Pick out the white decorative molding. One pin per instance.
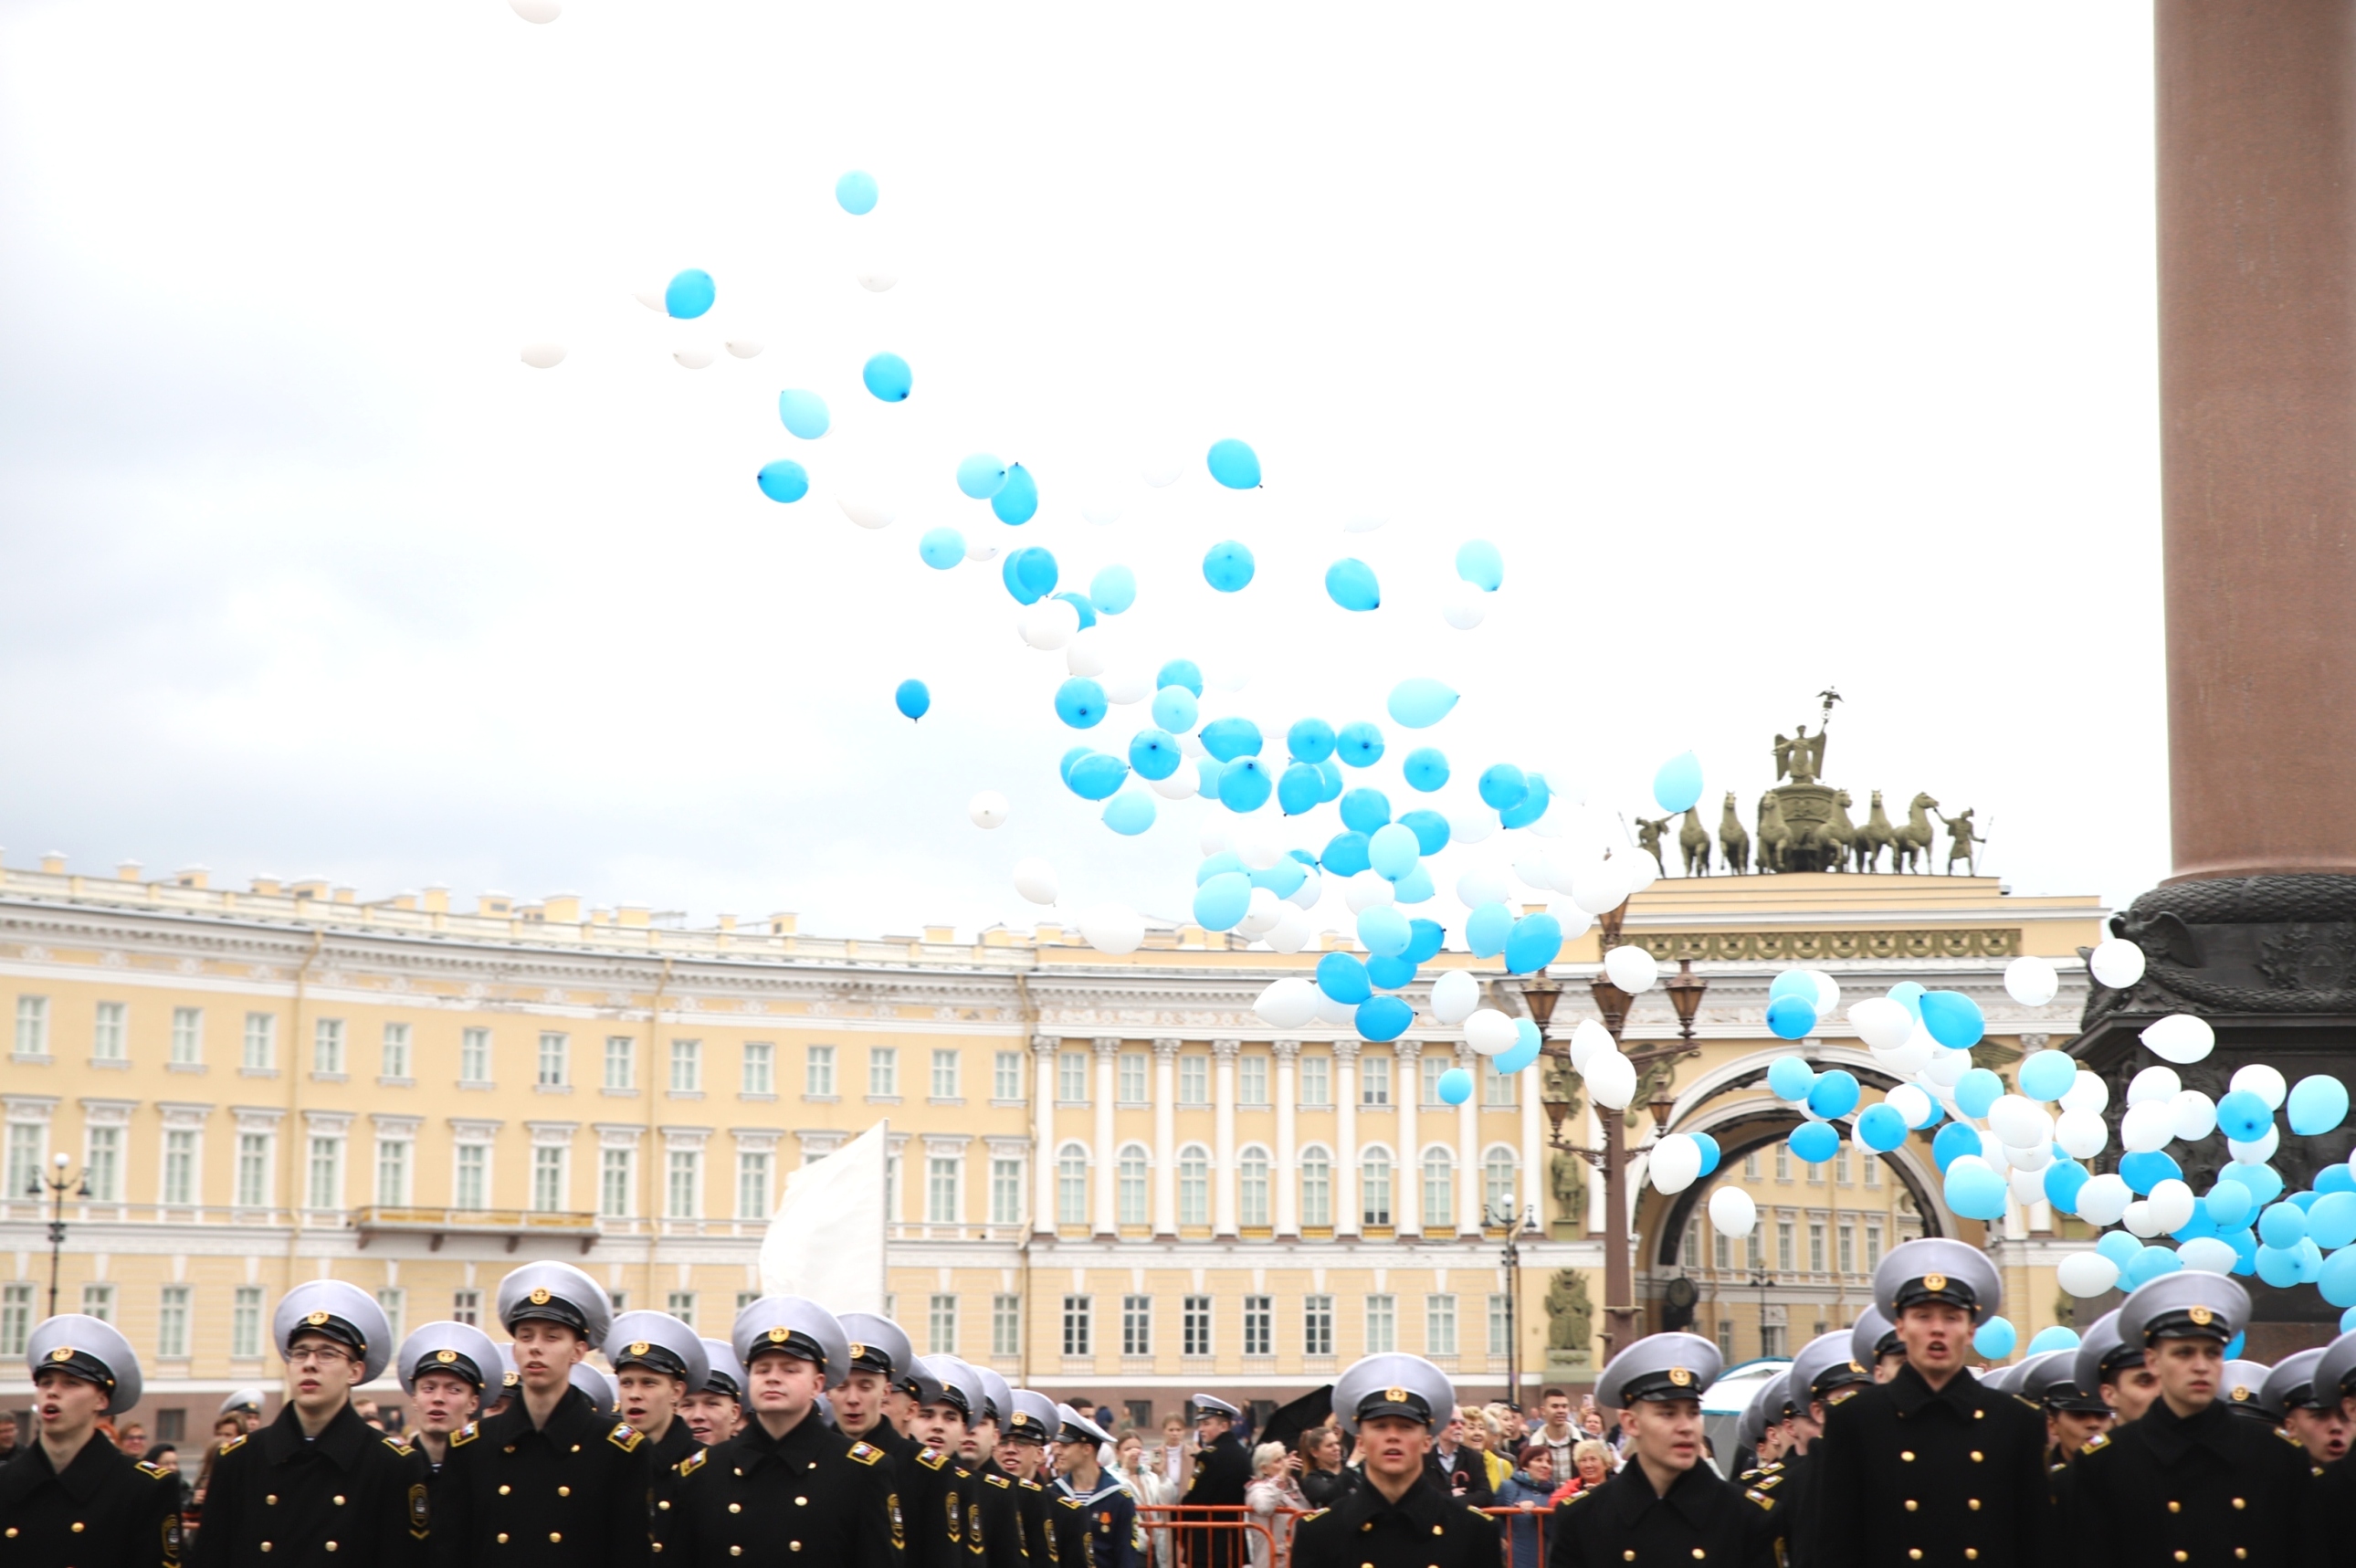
(326, 1124)
(25, 1109)
(108, 1113)
(618, 1135)
(685, 1138)
(756, 1140)
(257, 1118)
(551, 1135)
(182, 1115)
(395, 1128)
(469, 1130)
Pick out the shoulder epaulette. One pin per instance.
(1764, 1483)
(693, 1462)
(2100, 1440)
(1840, 1396)
(997, 1480)
(931, 1460)
(1069, 1501)
(866, 1453)
(1762, 1498)
(398, 1446)
(234, 1443)
(463, 1436)
(1314, 1514)
(158, 1471)
(2031, 1404)
(2287, 1437)
(1580, 1497)
(1033, 1487)
(625, 1437)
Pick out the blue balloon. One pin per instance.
(1533, 806)
(1080, 703)
(1933, 1114)
(1114, 589)
(2054, 1336)
(1478, 563)
(1955, 1140)
(1908, 994)
(941, 548)
(1415, 887)
(1797, 983)
(2337, 1281)
(1154, 753)
(1222, 901)
(2146, 1170)
(1953, 1019)
(912, 698)
(1486, 929)
(1711, 1154)
(1081, 603)
(1214, 865)
(2266, 1184)
(1244, 784)
(1300, 788)
(1064, 767)
(1350, 583)
(2243, 1117)
(2335, 1178)
(1976, 1091)
(1283, 879)
(2310, 1261)
(1391, 850)
(1358, 746)
(856, 193)
(1175, 710)
(1880, 1128)
(2199, 1225)
(2331, 1222)
(1393, 974)
(1424, 945)
(887, 378)
(1994, 1338)
(1181, 672)
(2047, 1075)
(783, 480)
(2306, 1200)
(980, 475)
(1017, 501)
(1231, 737)
(1790, 1078)
(1096, 776)
(1676, 786)
(689, 294)
(1815, 1142)
(1344, 854)
(1364, 809)
(1514, 1058)
(1431, 831)
(2282, 1225)
(1975, 1192)
(1309, 740)
(1503, 786)
(1129, 814)
(1790, 1018)
(1535, 942)
(1455, 1086)
(1029, 574)
(1341, 976)
(2316, 1105)
(1235, 465)
(2228, 1205)
(1383, 930)
(2278, 1266)
(1381, 1018)
(1331, 771)
(2063, 1179)
(1835, 1095)
(1425, 768)
(1228, 566)
(803, 414)
(2118, 1246)
(1421, 702)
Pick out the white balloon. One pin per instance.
(1294, 931)
(2032, 980)
(2210, 1254)
(1531, 868)
(2035, 1159)
(1827, 989)
(1641, 872)
(1311, 888)
(1259, 850)
(1114, 929)
(1035, 880)
(2087, 1273)
(876, 278)
(2180, 1037)
(1455, 995)
(1466, 607)
(2103, 1198)
(2116, 962)
(1488, 1031)
(1733, 1212)
(1366, 890)
(2153, 1083)
(1128, 685)
(544, 356)
(1261, 915)
(1632, 968)
(537, 10)
(2196, 1118)
(1909, 1100)
(2148, 1127)
(2171, 1203)
(1179, 786)
(2083, 1135)
(1214, 840)
(1883, 1024)
(2086, 1092)
(1361, 525)
(1480, 885)
(1601, 887)
(981, 547)
(2020, 1122)
(1084, 657)
(2264, 1082)
(1103, 510)
(987, 809)
(694, 356)
(653, 299)
(2257, 1151)
(1586, 1040)
(1611, 1080)
(1340, 1015)
(2027, 1186)
(2139, 1220)
(1573, 919)
(1472, 826)
(1675, 1161)
(1162, 473)
(869, 512)
(1946, 1068)
(1915, 1053)
(744, 347)
(1049, 624)
(1287, 1003)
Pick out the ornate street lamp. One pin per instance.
(1502, 1216)
(57, 1187)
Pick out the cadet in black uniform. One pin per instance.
(715, 1413)
(2116, 1369)
(443, 1368)
(1873, 1345)
(788, 1487)
(1929, 1467)
(1822, 1376)
(1396, 1518)
(1105, 1531)
(2311, 1407)
(2241, 1388)
(2074, 1416)
(950, 1494)
(877, 1397)
(656, 1359)
(2189, 1483)
(548, 1482)
(319, 1486)
(1222, 1471)
(1023, 1453)
(70, 1495)
(1002, 1519)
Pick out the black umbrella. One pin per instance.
(1288, 1421)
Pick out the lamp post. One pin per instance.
(1502, 1215)
(57, 1187)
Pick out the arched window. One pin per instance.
(1132, 1185)
(1375, 1188)
(1438, 1190)
(1072, 1185)
(1497, 1171)
(1316, 1187)
(1251, 1187)
(1193, 1186)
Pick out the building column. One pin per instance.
(1406, 1184)
(1108, 1162)
(1346, 1134)
(1286, 1174)
(1534, 1185)
(1471, 1186)
(1223, 1136)
(1043, 1122)
(1166, 1138)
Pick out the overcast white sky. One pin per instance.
(1773, 347)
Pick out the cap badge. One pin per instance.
(857, 1349)
(2240, 1392)
(539, 1295)
(1679, 1376)
(1395, 1396)
(1935, 1282)
(637, 1346)
(2200, 1315)
(445, 1356)
(779, 1335)
(317, 1319)
(62, 1353)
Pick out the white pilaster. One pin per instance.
(1223, 1136)
(1346, 1134)
(1285, 1175)
(1469, 1184)
(1108, 1164)
(1043, 1121)
(1165, 1137)
(1407, 1187)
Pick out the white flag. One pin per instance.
(826, 1241)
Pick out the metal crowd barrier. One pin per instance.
(1182, 1535)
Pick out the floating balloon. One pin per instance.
(1455, 995)
(1885, 1024)
(856, 193)
(544, 356)
(1790, 1018)
(2316, 1105)
(1815, 1142)
(1350, 583)
(981, 476)
(1430, 828)
(1790, 1079)
(1487, 930)
(1017, 501)
(1425, 768)
(1953, 1018)
(1383, 932)
(1610, 1079)
(2043, 1075)
(743, 349)
(1973, 1189)
(1955, 1140)
(877, 278)
(1534, 942)
(537, 10)
(1129, 814)
(784, 480)
(2086, 1274)
(1675, 1164)
(1222, 901)
(1244, 785)
(1096, 776)
(2181, 1037)
(689, 294)
(913, 699)
(1994, 1338)
(1834, 1094)
(1420, 702)
(1502, 786)
(1228, 566)
(866, 513)
(987, 809)
(1478, 563)
(887, 378)
(1676, 786)
(1455, 1086)
(1976, 1091)
(2264, 1082)
(1175, 709)
(2054, 1336)
(1035, 880)
(2032, 980)
(1235, 465)
(941, 548)
(1029, 574)
(1732, 1211)
(1080, 703)
(2243, 1116)
(1114, 589)
(803, 414)
(1392, 850)
(1113, 929)
(2116, 962)
(1383, 1018)
(1358, 746)
(694, 357)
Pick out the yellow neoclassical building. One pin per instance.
(1108, 1176)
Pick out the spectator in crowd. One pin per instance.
(1590, 1463)
(1529, 1489)
(1484, 1436)
(1275, 1500)
(169, 1453)
(1323, 1479)
(131, 1438)
(7, 1437)
(1557, 1430)
(1154, 1488)
(1127, 1461)
(1176, 1459)
(1458, 1469)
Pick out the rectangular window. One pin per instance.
(1071, 1077)
(1754, 1251)
(1501, 1323)
(179, 1165)
(687, 1067)
(1873, 1171)
(1374, 1080)
(467, 1307)
(1429, 1067)
(327, 1046)
(619, 1301)
(1439, 1326)
(1872, 1246)
(245, 1322)
(326, 1173)
(261, 1051)
(1006, 1192)
(1136, 1076)
(680, 1303)
(393, 1171)
(1690, 1256)
(1071, 1186)
(1193, 1080)
(940, 1326)
(1841, 1166)
(686, 1184)
(1259, 1325)
(753, 1184)
(614, 1183)
(1137, 1326)
(27, 1156)
(1251, 1081)
(1849, 1249)
(1782, 1162)
(1193, 1188)
(172, 1323)
(1750, 1166)
(548, 1178)
(1497, 1088)
(1374, 1191)
(396, 1051)
(941, 1202)
(471, 1187)
(554, 1048)
(16, 1319)
(1771, 1339)
(1817, 1246)
(882, 1070)
(621, 1062)
(1317, 1326)
(1005, 1326)
(1784, 1245)
(32, 1026)
(1079, 1335)
(107, 1043)
(1006, 1075)
(945, 1075)
(1316, 1188)
(760, 1068)
(818, 1073)
(253, 1169)
(1195, 1326)
(1723, 1255)
(1316, 1080)
(475, 1056)
(188, 1036)
(1382, 1324)
(393, 1302)
(97, 1301)
(1726, 1339)
(104, 1164)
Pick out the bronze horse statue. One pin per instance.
(1693, 842)
(1914, 841)
(1733, 839)
(1874, 837)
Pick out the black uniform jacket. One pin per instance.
(935, 1501)
(1907, 1475)
(105, 1510)
(2212, 1490)
(812, 1495)
(1001, 1517)
(1425, 1528)
(1700, 1520)
(1039, 1541)
(1222, 1470)
(351, 1498)
(573, 1494)
(1791, 1485)
(671, 1450)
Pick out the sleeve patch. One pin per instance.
(234, 1443)
(625, 1437)
(1767, 1483)
(931, 1460)
(158, 1471)
(398, 1446)
(417, 1511)
(2101, 1440)
(463, 1436)
(1070, 1502)
(1033, 1487)
(1762, 1498)
(996, 1480)
(693, 1462)
(1314, 1514)
(2287, 1437)
(866, 1453)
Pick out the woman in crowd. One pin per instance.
(1484, 1437)
(1530, 1489)
(1591, 1464)
(1275, 1500)
(1323, 1479)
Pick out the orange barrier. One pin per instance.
(1223, 1536)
